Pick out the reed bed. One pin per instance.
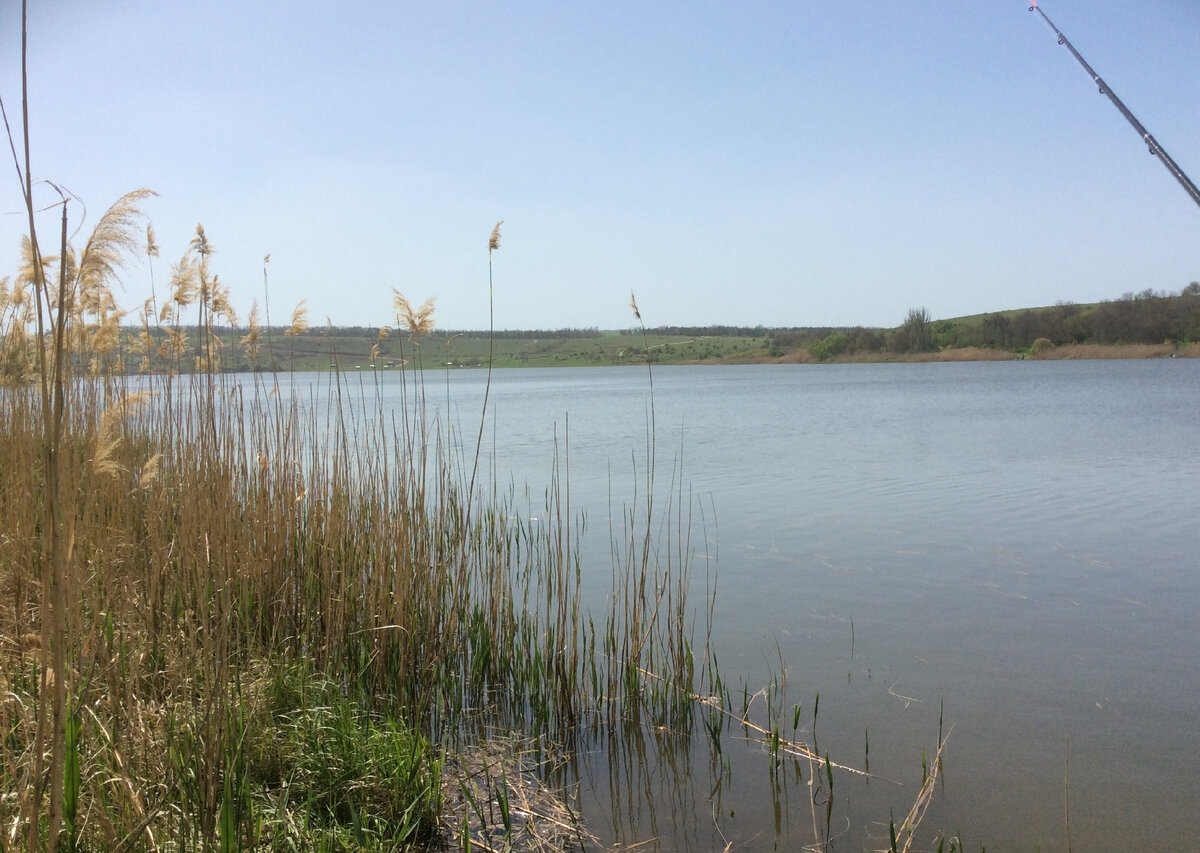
(239, 613)
(192, 561)
(1097, 351)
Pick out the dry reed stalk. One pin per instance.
(916, 813)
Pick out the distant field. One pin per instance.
(1144, 325)
(321, 350)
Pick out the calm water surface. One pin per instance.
(1016, 540)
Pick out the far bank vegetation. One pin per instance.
(1150, 324)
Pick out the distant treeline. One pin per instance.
(830, 342)
(1149, 317)
(521, 334)
(1144, 318)
(703, 331)
(499, 334)
(564, 333)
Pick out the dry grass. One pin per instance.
(962, 354)
(1063, 352)
(1102, 351)
(494, 794)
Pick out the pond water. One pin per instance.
(1009, 548)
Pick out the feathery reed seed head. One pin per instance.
(299, 320)
(149, 472)
(185, 285)
(419, 321)
(494, 240)
(27, 273)
(200, 244)
(112, 238)
(108, 437)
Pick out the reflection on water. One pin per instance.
(1014, 540)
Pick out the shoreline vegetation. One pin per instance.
(228, 622)
(1065, 352)
(1149, 325)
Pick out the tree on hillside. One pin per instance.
(918, 331)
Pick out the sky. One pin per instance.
(759, 162)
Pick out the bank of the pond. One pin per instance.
(1065, 352)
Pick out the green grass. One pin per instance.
(311, 757)
(320, 350)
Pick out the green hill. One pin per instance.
(1147, 318)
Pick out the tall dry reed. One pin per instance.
(205, 527)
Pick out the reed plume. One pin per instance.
(111, 430)
(174, 344)
(184, 288)
(151, 247)
(7, 297)
(200, 244)
(112, 240)
(418, 321)
(250, 341)
(105, 335)
(149, 472)
(221, 306)
(299, 320)
(28, 274)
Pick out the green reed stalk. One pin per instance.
(493, 245)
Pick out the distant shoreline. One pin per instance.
(1066, 352)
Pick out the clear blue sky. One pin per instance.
(783, 163)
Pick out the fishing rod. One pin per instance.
(1147, 137)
